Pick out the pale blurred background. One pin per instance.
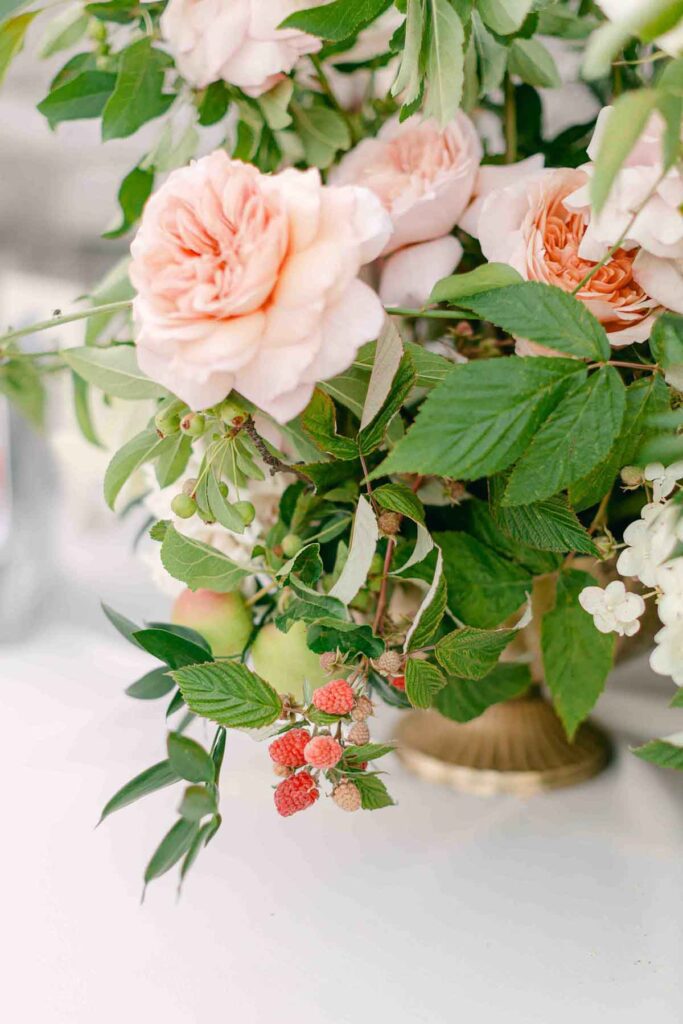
(444, 907)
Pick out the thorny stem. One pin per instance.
(275, 464)
(600, 514)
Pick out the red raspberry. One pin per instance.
(399, 682)
(296, 794)
(323, 752)
(288, 749)
(336, 698)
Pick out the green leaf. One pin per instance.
(20, 381)
(667, 752)
(81, 395)
(176, 651)
(482, 417)
(114, 370)
(534, 64)
(114, 287)
(373, 792)
(483, 588)
(157, 777)
(472, 653)
(121, 624)
(423, 682)
(647, 21)
(575, 438)
(625, 124)
(199, 565)
(197, 802)
(151, 686)
(137, 96)
(463, 699)
(338, 20)
(64, 31)
(140, 449)
(366, 752)
(214, 104)
(666, 343)
(445, 62)
(173, 460)
(172, 847)
(544, 314)
(364, 537)
(504, 16)
(486, 278)
(320, 423)
(400, 498)
(644, 398)
(133, 193)
(81, 97)
(385, 359)
(12, 34)
(430, 613)
(409, 79)
(184, 632)
(548, 525)
(202, 839)
(478, 521)
(189, 759)
(229, 694)
(347, 637)
(372, 435)
(576, 657)
(322, 131)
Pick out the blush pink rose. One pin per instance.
(529, 226)
(424, 176)
(250, 281)
(237, 41)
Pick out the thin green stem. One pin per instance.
(66, 318)
(433, 314)
(510, 121)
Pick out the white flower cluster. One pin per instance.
(651, 556)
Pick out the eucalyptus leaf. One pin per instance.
(157, 777)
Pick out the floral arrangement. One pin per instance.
(403, 357)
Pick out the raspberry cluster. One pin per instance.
(313, 749)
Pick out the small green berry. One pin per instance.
(223, 488)
(167, 422)
(184, 506)
(230, 411)
(246, 511)
(291, 544)
(194, 424)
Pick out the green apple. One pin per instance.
(284, 660)
(224, 620)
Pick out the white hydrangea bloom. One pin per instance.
(650, 541)
(667, 657)
(670, 582)
(614, 609)
(663, 478)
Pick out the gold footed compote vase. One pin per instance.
(518, 746)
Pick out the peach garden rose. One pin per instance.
(250, 281)
(425, 178)
(237, 41)
(530, 226)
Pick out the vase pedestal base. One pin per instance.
(518, 747)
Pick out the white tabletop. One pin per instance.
(445, 907)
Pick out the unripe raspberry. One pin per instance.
(362, 710)
(328, 660)
(288, 749)
(282, 770)
(389, 663)
(323, 752)
(359, 733)
(389, 523)
(295, 794)
(347, 796)
(399, 682)
(632, 476)
(464, 329)
(335, 698)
